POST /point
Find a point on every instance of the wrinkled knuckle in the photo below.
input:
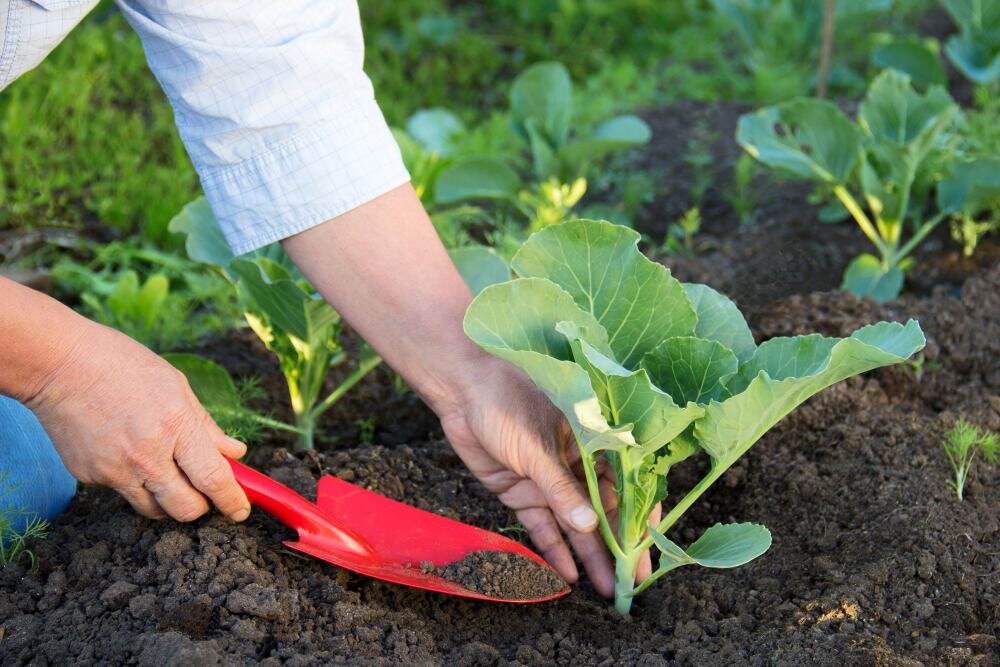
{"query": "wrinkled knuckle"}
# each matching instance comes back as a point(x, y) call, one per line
point(561, 487)
point(213, 479)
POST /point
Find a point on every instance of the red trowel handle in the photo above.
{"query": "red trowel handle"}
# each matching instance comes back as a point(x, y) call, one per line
point(296, 512)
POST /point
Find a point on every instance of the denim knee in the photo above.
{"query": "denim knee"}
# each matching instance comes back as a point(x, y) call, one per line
point(33, 480)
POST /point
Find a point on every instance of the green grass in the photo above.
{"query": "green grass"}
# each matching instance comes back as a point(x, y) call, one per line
point(88, 138)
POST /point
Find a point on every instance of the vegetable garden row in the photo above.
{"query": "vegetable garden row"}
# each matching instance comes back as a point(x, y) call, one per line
point(775, 314)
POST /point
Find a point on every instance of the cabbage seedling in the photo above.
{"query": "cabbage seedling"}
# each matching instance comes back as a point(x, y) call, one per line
point(285, 312)
point(650, 372)
point(882, 157)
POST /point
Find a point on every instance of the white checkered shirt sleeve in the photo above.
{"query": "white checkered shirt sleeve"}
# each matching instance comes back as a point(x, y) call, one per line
point(274, 108)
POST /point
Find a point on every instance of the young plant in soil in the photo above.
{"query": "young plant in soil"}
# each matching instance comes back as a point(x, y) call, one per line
point(961, 444)
point(650, 372)
point(891, 156)
point(16, 534)
point(285, 312)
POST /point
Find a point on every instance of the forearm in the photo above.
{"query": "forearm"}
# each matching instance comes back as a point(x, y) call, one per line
point(383, 267)
point(38, 333)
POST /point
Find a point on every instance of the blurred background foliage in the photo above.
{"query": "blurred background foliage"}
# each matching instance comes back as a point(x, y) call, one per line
point(87, 140)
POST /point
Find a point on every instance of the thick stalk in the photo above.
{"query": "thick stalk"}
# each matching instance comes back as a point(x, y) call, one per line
point(625, 569)
point(307, 429)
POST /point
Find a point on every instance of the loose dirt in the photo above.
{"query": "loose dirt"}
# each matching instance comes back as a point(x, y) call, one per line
point(874, 561)
point(503, 575)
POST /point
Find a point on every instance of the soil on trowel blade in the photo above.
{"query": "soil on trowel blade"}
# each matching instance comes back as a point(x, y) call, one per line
point(503, 575)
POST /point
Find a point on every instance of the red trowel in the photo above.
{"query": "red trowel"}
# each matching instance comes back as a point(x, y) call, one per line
point(367, 533)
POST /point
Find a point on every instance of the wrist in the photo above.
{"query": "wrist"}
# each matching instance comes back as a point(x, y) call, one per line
point(41, 335)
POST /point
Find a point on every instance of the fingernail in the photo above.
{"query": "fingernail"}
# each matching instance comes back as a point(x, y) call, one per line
point(240, 515)
point(583, 518)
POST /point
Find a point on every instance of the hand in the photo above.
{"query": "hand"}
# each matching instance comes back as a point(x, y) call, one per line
point(521, 448)
point(120, 416)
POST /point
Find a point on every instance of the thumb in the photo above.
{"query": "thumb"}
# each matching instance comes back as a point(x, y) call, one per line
point(565, 495)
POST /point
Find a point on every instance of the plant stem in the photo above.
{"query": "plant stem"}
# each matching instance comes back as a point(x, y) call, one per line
point(365, 366)
point(307, 429)
point(625, 569)
point(863, 221)
point(595, 500)
point(919, 236)
point(686, 502)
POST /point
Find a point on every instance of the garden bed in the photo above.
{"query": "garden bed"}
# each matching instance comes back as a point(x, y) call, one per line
point(874, 561)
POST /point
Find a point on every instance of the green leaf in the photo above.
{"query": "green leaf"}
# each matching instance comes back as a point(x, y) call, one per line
point(893, 111)
point(281, 301)
point(435, 129)
point(915, 57)
point(204, 242)
point(476, 178)
point(479, 266)
point(731, 427)
point(629, 400)
point(719, 319)
point(785, 357)
point(543, 93)
point(516, 321)
point(730, 545)
point(209, 381)
point(691, 370)
point(866, 276)
point(636, 300)
point(721, 546)
point(613, 135)
point(971, 187)
point(151, 298)
point(974, 58)
point(524, 315)
point(122, 300)
point(543, 155)
point(810, 139)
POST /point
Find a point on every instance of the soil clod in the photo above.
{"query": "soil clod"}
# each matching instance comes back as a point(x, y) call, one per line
point(504, 575)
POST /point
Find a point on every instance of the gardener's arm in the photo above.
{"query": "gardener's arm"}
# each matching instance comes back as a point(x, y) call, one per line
point(118, 414)
point(282, 125)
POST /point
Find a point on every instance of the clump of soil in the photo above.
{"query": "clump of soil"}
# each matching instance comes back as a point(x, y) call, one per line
point(504, 575)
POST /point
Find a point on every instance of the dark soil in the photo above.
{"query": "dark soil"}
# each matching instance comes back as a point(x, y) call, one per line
point(503, 575)
point(874, 561)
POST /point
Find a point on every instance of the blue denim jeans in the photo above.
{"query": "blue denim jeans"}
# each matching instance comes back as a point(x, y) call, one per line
point(33, 480)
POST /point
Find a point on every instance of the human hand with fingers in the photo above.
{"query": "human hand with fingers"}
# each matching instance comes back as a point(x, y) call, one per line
point(120, 416)
point(521, 448)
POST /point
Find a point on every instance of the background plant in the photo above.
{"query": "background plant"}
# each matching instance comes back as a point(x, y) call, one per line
point(285, 312)
point(650, 372)
point(227, 401)
point(16, 533)
point(890, 157)
point(961, 444)
point(975, 51)
point(161, 300)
